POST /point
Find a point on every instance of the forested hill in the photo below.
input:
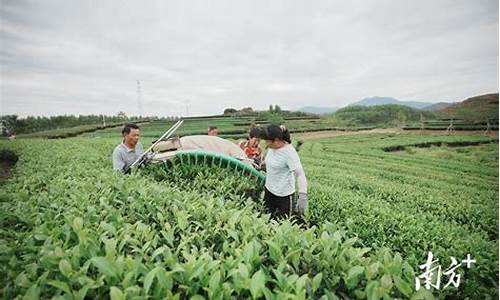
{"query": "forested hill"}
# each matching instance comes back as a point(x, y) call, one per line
point(476, 108)
point(386, 115)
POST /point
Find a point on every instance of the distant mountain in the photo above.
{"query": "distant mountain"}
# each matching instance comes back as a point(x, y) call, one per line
point(473, 108)
point(319, 110)
point(438, 106)
point(370, 101)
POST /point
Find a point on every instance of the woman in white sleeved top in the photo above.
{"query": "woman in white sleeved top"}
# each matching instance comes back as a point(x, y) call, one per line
point(283, 168)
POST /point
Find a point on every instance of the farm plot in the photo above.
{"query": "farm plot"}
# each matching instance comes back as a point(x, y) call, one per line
point(71, 228)
point(229, 127)
point(439, 199)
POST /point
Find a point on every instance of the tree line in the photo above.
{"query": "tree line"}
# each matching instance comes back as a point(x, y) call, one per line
point(12, 124)
point(390, 114)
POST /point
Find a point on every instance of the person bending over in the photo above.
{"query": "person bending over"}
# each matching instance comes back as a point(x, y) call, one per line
point(251, 146)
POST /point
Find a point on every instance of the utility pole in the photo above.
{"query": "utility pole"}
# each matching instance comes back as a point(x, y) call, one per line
point(451, 128)
point(139, 98)
point(103, 121)
point(3, 128)
point(421, 123)
point(488, 126)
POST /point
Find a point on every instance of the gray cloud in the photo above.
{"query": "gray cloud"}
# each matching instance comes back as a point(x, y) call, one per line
point(81, 57)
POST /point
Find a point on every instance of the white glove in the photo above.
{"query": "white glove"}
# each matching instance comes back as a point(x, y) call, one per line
point(301, 203)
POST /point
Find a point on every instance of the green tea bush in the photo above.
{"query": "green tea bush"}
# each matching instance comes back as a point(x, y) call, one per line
point(73, 229)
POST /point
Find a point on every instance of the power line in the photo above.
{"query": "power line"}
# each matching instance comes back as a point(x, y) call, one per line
point(139, 98)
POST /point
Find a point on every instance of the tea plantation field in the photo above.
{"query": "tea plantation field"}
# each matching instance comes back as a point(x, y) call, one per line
point(73, 229)
point(229, 127)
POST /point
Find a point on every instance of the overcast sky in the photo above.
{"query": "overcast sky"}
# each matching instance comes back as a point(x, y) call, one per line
point(84, 57)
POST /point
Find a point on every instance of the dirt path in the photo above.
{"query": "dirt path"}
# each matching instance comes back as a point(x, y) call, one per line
point(8, 160)
point(5, 171)
point(327, 134)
